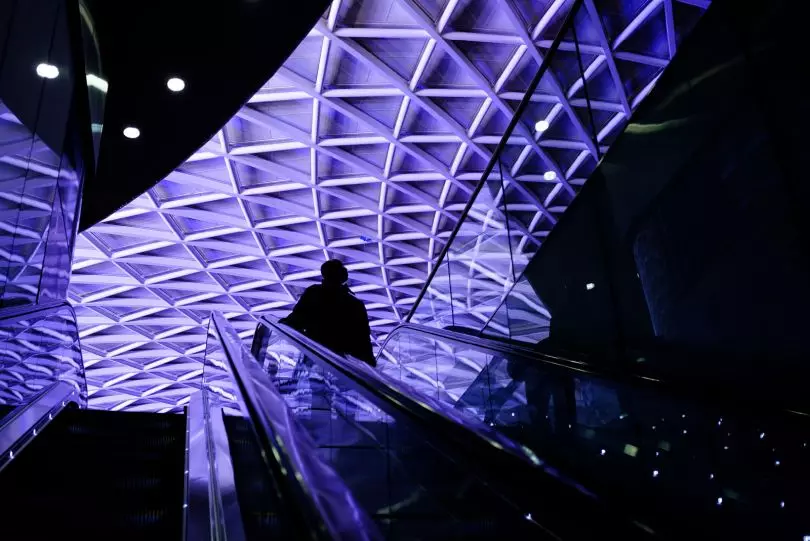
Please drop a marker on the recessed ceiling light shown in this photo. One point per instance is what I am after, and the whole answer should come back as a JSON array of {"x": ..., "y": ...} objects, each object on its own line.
[
  {"x": 131, "y": 132},
  {"x": 176, "y": 84},
  {"x": 549, "y": 175},
  {"x": 47, "y": 71},
  {"x": 94, "y": 81},
  {"x": 541, "y": 126}
]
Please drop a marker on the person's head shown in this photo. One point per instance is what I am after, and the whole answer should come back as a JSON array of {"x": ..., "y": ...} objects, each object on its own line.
[{"x": 334, "y": 273}]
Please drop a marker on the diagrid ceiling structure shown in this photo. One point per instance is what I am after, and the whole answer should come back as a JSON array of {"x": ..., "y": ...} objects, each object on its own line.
[{"x": 364, "y": 146}]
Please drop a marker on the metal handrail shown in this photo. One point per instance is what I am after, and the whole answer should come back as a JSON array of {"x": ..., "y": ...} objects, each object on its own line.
[
  {"x": 25, "y": 423},
  {"x": 491, "y": 456},
  {"x": 555, "y": 45},
  {"x": 327, "y": 507}
]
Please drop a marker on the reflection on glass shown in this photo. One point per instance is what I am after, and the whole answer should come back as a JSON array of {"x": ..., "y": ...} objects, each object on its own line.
[
  {"x": 37, "y": 351},
  {"x": 521, "y": 199},
  {"x": 661, "y": 456},
  {"x": 216, "y": 377},
  {"x": 42, "y": 160},
  {"x": 408, "y": 487}
]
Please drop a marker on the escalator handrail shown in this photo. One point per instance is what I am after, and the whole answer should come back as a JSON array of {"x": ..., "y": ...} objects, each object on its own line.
[
  {"x": 712, "y": 394},
  {"x": 399, "y": 394},
  {"x": 328, "y": 506},
  {"x": 16, "y": 313},
  {"x": 490, "y": 344},
  {"x": 496, "y": 154},
  {"x": 496, "y": 459}
]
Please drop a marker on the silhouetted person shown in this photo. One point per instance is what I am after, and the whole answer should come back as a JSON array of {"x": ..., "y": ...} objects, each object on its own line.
[{"x": 331, "y": 315}]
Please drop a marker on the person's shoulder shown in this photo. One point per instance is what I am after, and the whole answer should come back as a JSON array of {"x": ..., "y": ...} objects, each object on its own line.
[
  {"x": 314, "y": 289},
  {"x": 355, "y": 301}
]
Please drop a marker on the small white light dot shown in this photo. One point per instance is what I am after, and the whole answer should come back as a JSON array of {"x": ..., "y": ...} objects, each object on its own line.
[
  {"x": 185, "y": 505},
  {"x": 176, "y": 84},
  {"x": 725, "y": 447},
  {"x": 131, "y": 132},
  {"x": 541, "y": 126},
  {"x": 720, "y": 501},
  {"x": 762, "y": 435},
  {"x": 653, "y": 427},
  {"x": 589, "y": 286},
  {"x": 711, "y": 476},
  {"x": 684, "y": 431},
  {"x": 549, "y": 175},
  {"x": 683, "y": 416},
  {"x": 720, "y": 422},
  {"x": 655, "y": 473},
  {"x": 777, "y": 463},
  {"x": 50, "y": 417},
  {"x": 527, "y": 516},
  {"x": 602, "y": 452},
  {"x": 47, "y": 71},
  {"x": 658, "y": 453},
  {"x": 35, "y": 432},
  {"x": 11, "y": 454},
  {"x": 782, "y": 505}
]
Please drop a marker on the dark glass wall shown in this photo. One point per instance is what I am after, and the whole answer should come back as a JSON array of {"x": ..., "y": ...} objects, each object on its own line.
[
  {"x": 689, "y": 244},
  {"x": 44, "y": 136}
]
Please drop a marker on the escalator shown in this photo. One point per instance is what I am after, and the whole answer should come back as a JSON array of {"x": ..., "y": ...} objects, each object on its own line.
[
  {"x": 117, "y": 475},
  {"x": 452, "y": 436},
  {"x": 652, "y": 451},
  {"x": 417, "y": 468}
]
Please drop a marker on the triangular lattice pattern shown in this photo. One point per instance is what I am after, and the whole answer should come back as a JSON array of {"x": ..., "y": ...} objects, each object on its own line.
[{"x": 364, "y": 146}]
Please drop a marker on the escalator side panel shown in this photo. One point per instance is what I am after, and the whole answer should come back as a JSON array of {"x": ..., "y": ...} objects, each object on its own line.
[
  {"x": 98, "y": 475},
  {"x": 257, "y": 493}
]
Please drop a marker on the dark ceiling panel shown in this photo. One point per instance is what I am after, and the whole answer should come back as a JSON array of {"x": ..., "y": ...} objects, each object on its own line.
[{"x": 224, "y": 51}]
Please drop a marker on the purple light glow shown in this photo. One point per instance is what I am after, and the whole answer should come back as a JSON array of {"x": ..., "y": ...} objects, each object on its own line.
[{"x": 358, "y": 148}]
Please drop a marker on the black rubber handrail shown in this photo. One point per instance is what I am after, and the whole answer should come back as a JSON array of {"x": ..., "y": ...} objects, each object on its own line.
[
  {"x": 496, "y": 155},
  {"x": 322, "y": 507},
  {"x": 513, "y": 469},
  {"x": 708, "y": 392}
]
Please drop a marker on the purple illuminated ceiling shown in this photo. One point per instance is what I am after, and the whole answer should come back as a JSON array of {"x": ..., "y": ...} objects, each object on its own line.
[{"x": 364, "y": 146}]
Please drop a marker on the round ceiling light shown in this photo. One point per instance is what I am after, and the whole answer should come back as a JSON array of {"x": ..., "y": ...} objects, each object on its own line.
[
  {"x": 549, "y": 175},
  {"x": 47, "y": 71},
  {"x": 541, "y": 126},
  {"x": 131, "y": 132},
  {"x": 176, "y": 84}
]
